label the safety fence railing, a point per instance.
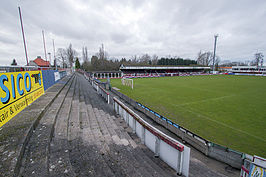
(206, 142)
(216, 151)
(213, 150)
(100, 90)
(104, 94)
(168, 149)
(95, 85)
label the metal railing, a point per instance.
(101, 91)
(168, 149)
(104, 94)
(186, 131)
(218, 152)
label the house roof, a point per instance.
(41, 62)
(225, 67)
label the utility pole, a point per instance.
(44, 45)
(23, 35)
(214, 52)
(55, 57)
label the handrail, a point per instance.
(159, 135)
(100, 90)
(174, 124)
(104, 94)
(153, 130)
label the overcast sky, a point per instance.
(134, 27)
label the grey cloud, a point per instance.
(133, 27)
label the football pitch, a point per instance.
(227, 110)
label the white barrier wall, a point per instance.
(175, 154)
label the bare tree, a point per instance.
(85, 54)
(102, 54)
(258, 59)
(204, 58)
(61, 57)
(145, 58)
(154, 59)
(134, 59)
(70, 53)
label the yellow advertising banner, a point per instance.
(17, 91)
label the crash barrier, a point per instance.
(18, 90)
(255, 167)
(218, 152)
(175, 154)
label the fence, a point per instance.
(168, 149)
(104, 94)
(100, 90)
(218, 152)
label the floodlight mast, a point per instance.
(44, 47)
(23, 35)
(214, 52)
(55, 63)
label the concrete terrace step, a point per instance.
(15, 134)
(35, 159)
(121, 159)
(117, 140)
(149, 162)
(59, 160)
(79, 135)
(94, 161)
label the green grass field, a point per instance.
(227, 110)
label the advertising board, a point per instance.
(17, 91)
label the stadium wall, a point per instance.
(218, 152)
(50, 77)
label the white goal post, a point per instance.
(127, 82)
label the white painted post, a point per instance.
(157, 147)
(180, 162)
(134, 125)
(142, 135)
(108, 99)
(97, 88)
(114, 107)
(127, 118)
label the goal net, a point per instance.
(127, 82)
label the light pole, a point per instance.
(23, 35)
(214, 52)
(44, 47)
(49, 59)
(55, 63)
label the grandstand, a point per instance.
(248, 70)
(154, 71)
